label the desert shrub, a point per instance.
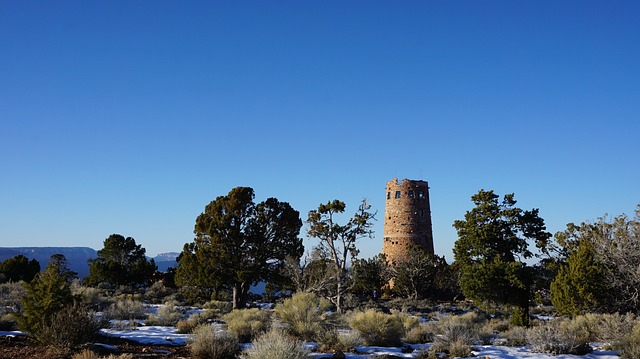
(247, 323)
(377, 328)
(186, 326)
(89, 296)
(456, 334)
(303, 315)
(218, 307)
(167, 315)
(126, 310)
(515, 337)
(67, 330)
(209, 343)
(419, 334)
(630, 345)
(10, 294)
(459, 349)
(88, 354)
(332, 340)
(408, 321)
(158, 293)
(276, 344)
(559, 337)
(612, 328)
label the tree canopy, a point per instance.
(121, 262)
(239, 243)
(338, 242)
(19, 268)
(492, 246)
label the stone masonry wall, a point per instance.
(407, 218)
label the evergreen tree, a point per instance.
(491, 248)
(121, 262)
(369, 275)
(19, 268)
(420, 275)
(580, 285)
(239, 243)
(47, 294)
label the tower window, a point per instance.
(388, 195)
(421, 194)
(398, 194)
(411, 194)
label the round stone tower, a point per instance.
(407, 218)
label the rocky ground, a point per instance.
(19, 348)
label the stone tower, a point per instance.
(407, 218)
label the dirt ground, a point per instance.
(19, 348)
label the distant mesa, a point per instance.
(77, 257)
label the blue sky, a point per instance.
(129, 117)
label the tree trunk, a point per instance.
(240, 291)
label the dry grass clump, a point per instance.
(125, 310)
(209, 343)
(303, 315)
(515, 337)
(377, 328)
(276, 344)
(248, 323)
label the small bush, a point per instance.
(168, 315)
(377, 328)
(186, 326)
(613, 328)
(67, 330)
(158, 293)
(516, 336)
(559, 337)
(630, 346)
(248, 323)
(210, 343)
(419, 335)
(459, 349)
(408, 321)
(10, 294)
(456, 334)
(332, 340)
(125, 310)
(276, 344)
(303, 314)
(218, 306)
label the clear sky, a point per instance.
(130, 116)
